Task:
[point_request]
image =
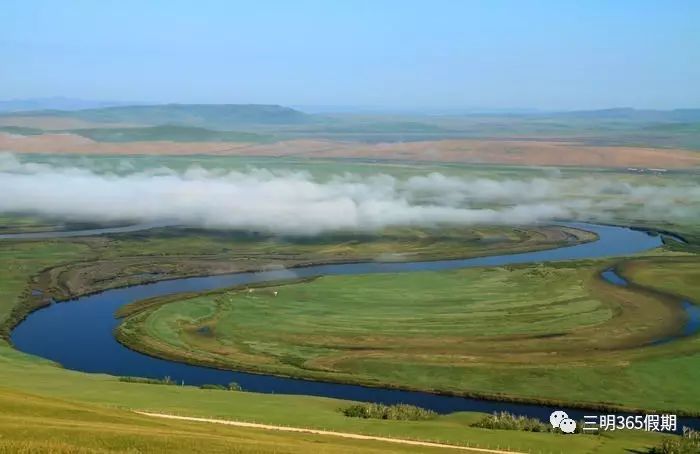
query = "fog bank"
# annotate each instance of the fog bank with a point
(296, 203)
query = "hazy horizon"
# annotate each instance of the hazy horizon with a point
(69, 103)
(501, 55)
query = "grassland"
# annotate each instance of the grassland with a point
(677, 276)
(169, 133)
(49, 409)
(66, 269)
(61, 427)
(41, 423)
(22, 261)
(10, 223)
(516, 332)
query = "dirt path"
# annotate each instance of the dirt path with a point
(326, 432)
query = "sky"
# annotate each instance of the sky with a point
(433, 54)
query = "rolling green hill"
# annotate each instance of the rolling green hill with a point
(169, 132)
(239, 122)
(217, 116)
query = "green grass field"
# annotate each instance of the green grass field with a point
(49, 409)
(72, 267)
(10, 223)
(21, 263)
(678, 277)
(540, 332)
(63, 427)
(96, 424)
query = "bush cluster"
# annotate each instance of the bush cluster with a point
(402, 412)
(509, 421)
(233, 386)
(149, 381)
(209, 386)
(689, 443)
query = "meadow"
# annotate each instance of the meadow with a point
(40, 401)
(10, 223)
(49, 409)
(543, 332)
(675, 276)
(64, 269)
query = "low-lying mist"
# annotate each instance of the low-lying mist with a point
(296, 203)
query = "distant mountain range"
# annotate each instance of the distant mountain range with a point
(625, 113)
(236, 114)
(54, 103)
(263, 122)
(216, 116)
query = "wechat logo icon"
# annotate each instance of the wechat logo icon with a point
(559, 419)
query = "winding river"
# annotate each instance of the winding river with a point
(78, 334)
(83, 232)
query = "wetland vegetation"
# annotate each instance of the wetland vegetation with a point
(63, 269)
(400, 412)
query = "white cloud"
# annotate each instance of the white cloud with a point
(296, 203)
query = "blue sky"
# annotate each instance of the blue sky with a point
(555, 54)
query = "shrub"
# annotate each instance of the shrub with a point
(677, 445)
(689, 443)
(509, 421)
(233, 386)
(149, 381)
(402, 412)
(209, 386)
(691, 434)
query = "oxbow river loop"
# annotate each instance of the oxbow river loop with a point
(79, 334)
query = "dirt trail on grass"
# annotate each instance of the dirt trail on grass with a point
(326, 432)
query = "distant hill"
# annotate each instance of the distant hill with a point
(169, 133)
(54, 103)
(629, 114)
(150, 133)
(215, 116)
(263, 123)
